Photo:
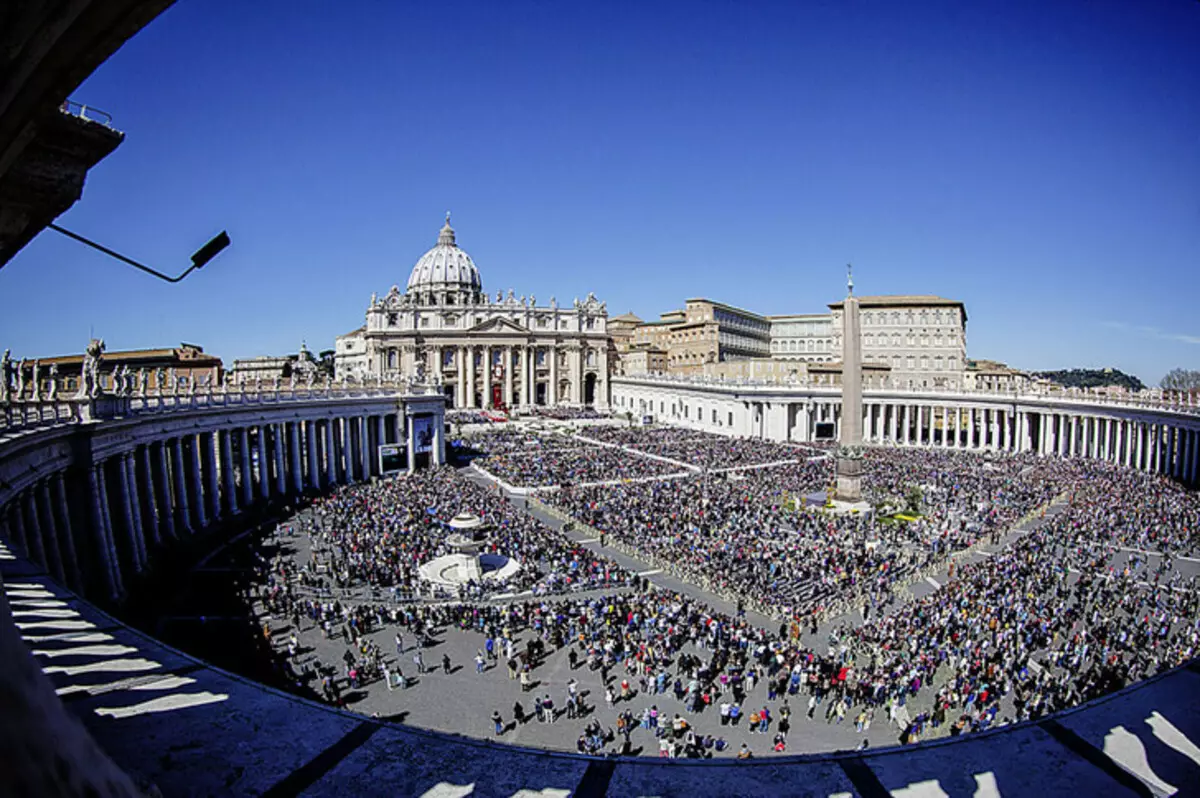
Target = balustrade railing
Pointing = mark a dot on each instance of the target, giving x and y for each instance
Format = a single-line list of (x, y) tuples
[(1144, 400), (22, 410)]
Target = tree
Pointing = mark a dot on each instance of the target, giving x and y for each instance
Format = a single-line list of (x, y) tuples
[(1181, 380), (325, 362)]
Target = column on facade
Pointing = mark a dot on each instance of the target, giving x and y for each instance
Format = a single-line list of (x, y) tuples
[(470, 380), (121, 464), (151, 515), (110, 568), (231, 502), (1194, 472), (439, 360), (1124, 443), (409, 442), (526, 377), (44, 508), (364, 439), (60, 510), (213, 486), (280, 459), (35, 548), (294, 450), (247, 473), (552, 394), (487, 377), (162, 477), (135, 491), (312, 436), (575, 360), (264, 471), (506, 364), (331, 464), (347, 451), (460, 377), (197, 485), (182, 501)]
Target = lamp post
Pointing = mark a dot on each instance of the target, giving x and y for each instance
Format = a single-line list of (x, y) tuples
[(200, 257)]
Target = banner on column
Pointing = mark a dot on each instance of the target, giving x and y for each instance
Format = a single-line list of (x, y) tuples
[(392, 458), (422, 434)]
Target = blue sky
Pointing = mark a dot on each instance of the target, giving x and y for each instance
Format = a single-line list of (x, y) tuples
[(1039, 161)]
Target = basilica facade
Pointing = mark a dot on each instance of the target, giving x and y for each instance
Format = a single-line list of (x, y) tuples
[(488, 352)]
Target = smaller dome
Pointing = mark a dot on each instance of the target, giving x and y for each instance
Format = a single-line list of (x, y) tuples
[(445, 267)]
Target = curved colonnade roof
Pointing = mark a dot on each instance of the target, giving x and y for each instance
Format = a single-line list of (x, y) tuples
[(192, 729)]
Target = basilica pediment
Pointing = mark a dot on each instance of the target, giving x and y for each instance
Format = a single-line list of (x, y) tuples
[(499, 325)]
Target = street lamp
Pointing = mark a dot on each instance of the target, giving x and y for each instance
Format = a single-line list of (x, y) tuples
[(199, 257)]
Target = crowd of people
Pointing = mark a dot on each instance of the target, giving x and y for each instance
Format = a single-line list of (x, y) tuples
[(379, 534), (1093, 599), (742, 537)]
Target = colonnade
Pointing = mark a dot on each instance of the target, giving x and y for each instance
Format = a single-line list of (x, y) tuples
[(527, 374), (1149, 444), (129, 502)]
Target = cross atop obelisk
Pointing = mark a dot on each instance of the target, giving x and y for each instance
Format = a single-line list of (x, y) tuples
[(849, 463)]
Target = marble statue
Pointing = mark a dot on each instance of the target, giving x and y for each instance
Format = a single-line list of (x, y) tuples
[(5, 370), (37, 383), (374, 299), (499, 296), (310, 378), (172, 381), (276, 383), (89, 374), (160, 380), (191, 385), (143, 381), (532, 301), (53, 392), (21, 378)]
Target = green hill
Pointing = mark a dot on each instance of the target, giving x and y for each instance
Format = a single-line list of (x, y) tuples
[(1092, 378)]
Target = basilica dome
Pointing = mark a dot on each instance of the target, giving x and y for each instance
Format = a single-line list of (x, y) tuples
[(445, 268)]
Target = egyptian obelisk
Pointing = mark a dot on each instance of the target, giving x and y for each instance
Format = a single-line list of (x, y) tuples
[(849, 456)]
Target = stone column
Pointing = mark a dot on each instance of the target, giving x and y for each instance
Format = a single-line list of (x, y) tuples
[(162, 481), (312, 437), (439, 376), (1194, 474), (134, 499), (460, 377), (214, 490), (412, 449), (32, 529), (45, 508), (364, 440), (331, 464), (151, 517), (470, 380), (60, 511), (264, 470), (1139, 454), (247, 470), (280, 459), (197, 486), (121, 465), (347, 451), (506, 361), (181, 487), (297, 464), (438, 455), (231, 502), (487, 378), (552, 394), (110, 569), (526, 371)]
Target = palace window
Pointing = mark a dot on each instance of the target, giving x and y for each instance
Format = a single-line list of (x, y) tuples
[(391, 319)]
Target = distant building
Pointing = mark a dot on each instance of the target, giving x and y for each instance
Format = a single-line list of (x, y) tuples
[(182, 363), (991, 375), (922, 337), (643, 359), (807, 337), (705, 332), (266, 369)]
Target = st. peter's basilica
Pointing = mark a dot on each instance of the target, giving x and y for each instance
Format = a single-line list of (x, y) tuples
[(502, 352)]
